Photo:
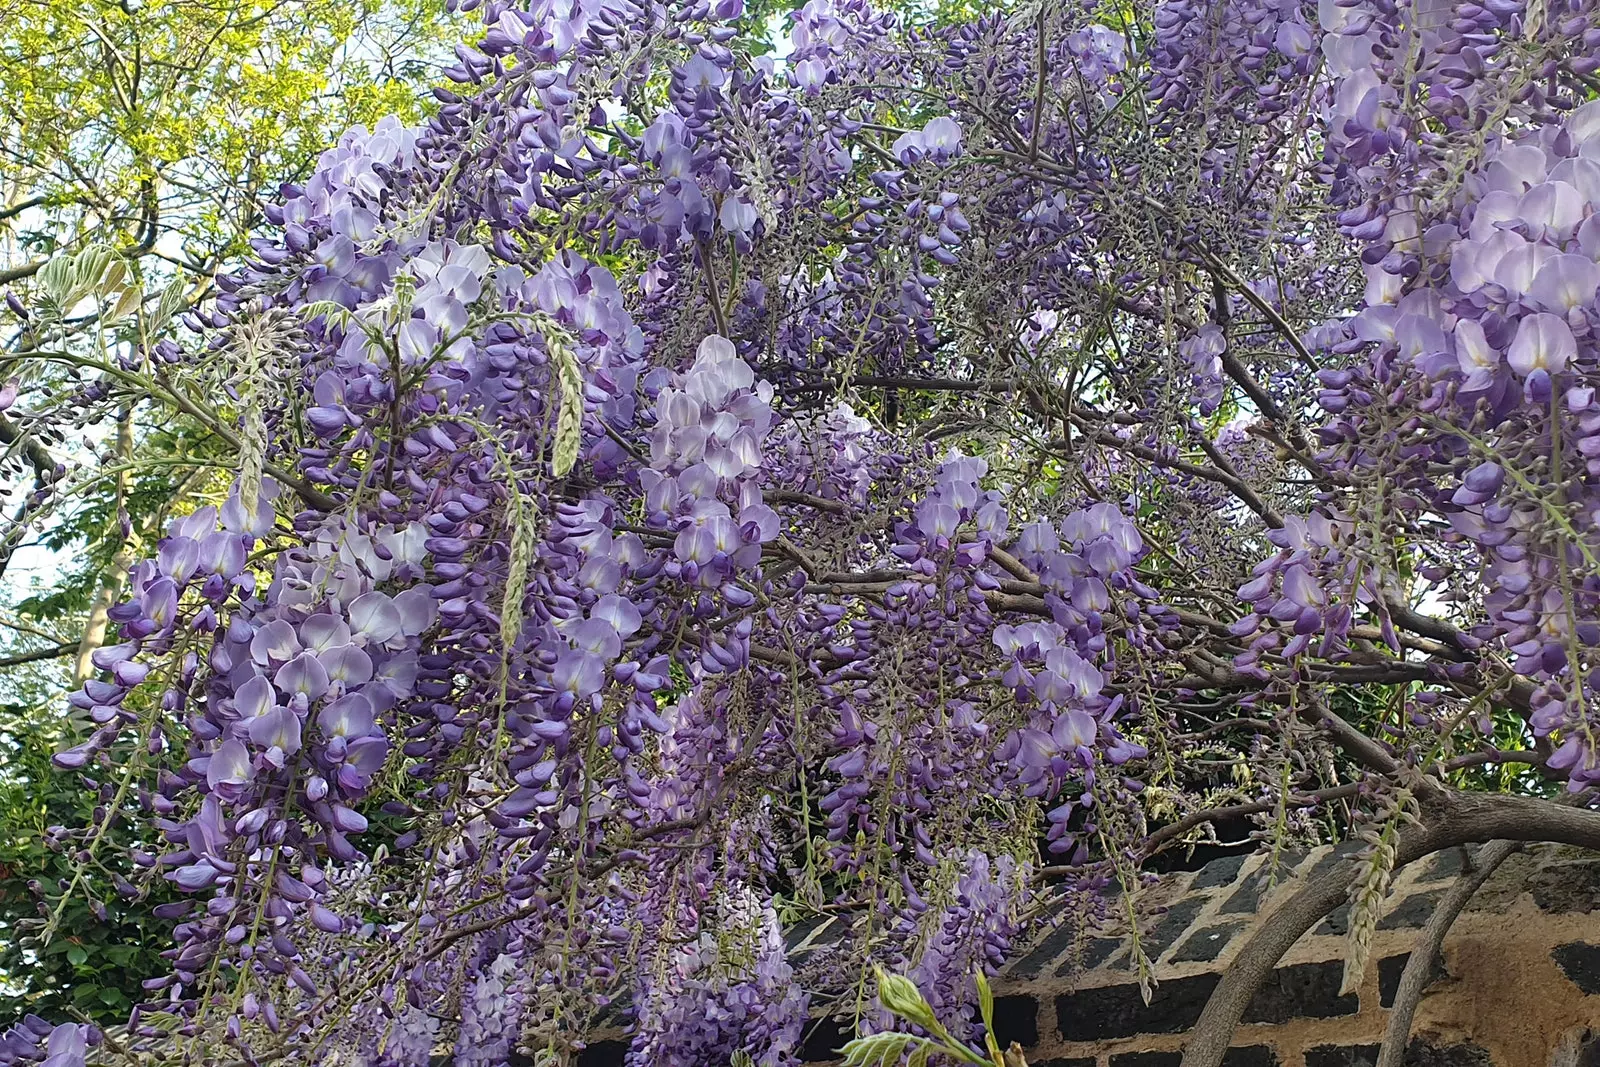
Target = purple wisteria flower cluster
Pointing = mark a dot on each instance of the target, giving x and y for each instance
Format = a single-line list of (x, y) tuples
[(695, 486)]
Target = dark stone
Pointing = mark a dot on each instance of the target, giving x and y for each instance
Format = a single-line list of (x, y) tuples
[(1337, 855), (1422, 1054), (1567, 887), (797, 934), (1095, 952), (1337, 923), (603, 1054), (830, 931), (1446, 864), (1044, 952), (1413, 912), (1172, 925), (1074, 1061), (1580, 962), (1250, 1056), (824, 1038), (1119, 1010), (1206, 945), (1147, 1059), (1016, 1018), (1246, 899), (1302, 991), (1218, 872), (1390, 968), (1342, 1056), (1419, 1054)]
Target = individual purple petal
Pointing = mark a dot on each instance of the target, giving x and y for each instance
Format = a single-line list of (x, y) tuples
[(254, 698), (322, 632), (278, 728), (1074, 730), (351, 716), (1565, 282), (275, 642), (348, 665), (418, 611), (618, 612), (222, 553), (178, 557), (579, 673), (109, 656), (375, 617), (1543, 342), (304, 675), (229, 765)]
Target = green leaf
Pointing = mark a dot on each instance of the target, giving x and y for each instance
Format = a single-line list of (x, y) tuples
[(77, 955), (111, 278), (129, 299), (986, 1006), (877, 1050), (89, 269), (901, 996), (985, 999), (55, 277), (169, 304)]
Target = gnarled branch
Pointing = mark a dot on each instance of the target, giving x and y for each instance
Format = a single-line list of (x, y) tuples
[(1451, 819)]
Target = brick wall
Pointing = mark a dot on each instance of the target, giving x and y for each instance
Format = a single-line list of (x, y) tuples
[(1519, 987)]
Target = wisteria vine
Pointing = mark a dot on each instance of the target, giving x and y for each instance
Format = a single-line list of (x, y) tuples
[(907, 475)]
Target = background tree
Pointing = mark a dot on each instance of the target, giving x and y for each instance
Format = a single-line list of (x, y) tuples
[(156, 131)]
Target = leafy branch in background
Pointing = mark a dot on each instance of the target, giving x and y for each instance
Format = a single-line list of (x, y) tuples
[(140, 142)]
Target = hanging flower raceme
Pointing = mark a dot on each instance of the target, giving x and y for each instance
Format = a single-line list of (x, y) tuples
[(678, 487)]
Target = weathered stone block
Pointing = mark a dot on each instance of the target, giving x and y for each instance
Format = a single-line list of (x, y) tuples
[(824, 1037), (1390, 968), (1171, 926), (1218, 872), (1093, 953), (1016, 1018), (1045, 952), (1119, 1011), (1567, 887), (1147, 1059), (1412, 912), (603, 1054), (1302, 991), (1580, 962), (1207, 944)]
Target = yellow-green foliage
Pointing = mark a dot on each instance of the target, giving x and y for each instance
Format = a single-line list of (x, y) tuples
[(190, 112)]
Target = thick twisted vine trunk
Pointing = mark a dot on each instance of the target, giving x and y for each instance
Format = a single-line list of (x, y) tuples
[(1452, 819), (1426, 954)]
